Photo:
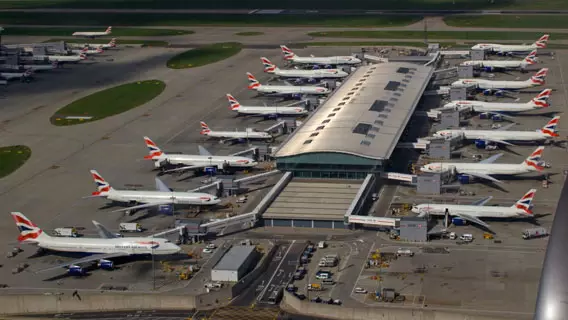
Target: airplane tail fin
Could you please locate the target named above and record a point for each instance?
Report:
(540, 77)
(288, 54)
(525, 203)
(112, 43)
(530, 58)
(233, 103)
(541, 100)
(550, 128)
(204, 128)
(85, 50)
(108, 30)
(253, 83)
(534, 160)
(542, 41)
(269, 67)
(103, 187)
(155, 152)
(28, 73)
(83, 56)
(29, 232)
(100, 50)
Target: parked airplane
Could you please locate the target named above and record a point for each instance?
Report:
(248, 134)
(296, 92)
(309, 75)
(477, 210)
(485, 168)
(268, 112)
(335, 60)
(99, 250)
(500, 87)
(32, 67)
(496, 108)
(62, 59)
(86, 50)
(136, 199)
(111, 44)
(502, 136)
(88, 34)
(501, 65)
(195, 162)
(509, 49)
(16, 75)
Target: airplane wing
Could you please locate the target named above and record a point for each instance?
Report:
(90, 258)
(144, 205)
(104, 232)
(491, 159)
(161, 186)
(186, 168)
(500, 142)
(507, 127)
(482, 202)
(473, 219)
(203, 151)
(482, 176)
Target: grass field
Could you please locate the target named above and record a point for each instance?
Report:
(204, 55)
(295, 4)
(109, 102)
(176, 19)
(13, 157)
(149, 43)
(249, 33)
(509, 21)
(116, 32)
(460, 35)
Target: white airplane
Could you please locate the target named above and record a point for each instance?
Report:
(500, 87)
(92, 35)
(164, 196)
(194, 162)
(32, 67)
(311, 75)
(111, 44)
(336, 60)
(296, 92)
(477, 210)
(485, 168)
(248, 134)
(502, 136)
(494, 65)
(268, 112)
(509, 49)
(99, 250)
(495, 108)
(86, 50)
(71, 59)
(16, 75)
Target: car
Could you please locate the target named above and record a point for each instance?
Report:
(337, 302)
(207, 250)
(360, 290)
(291, 288)
(316, 300)
(211, 246)
(300, 296)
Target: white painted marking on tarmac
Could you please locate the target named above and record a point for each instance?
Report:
(278, 268)
(362, 268)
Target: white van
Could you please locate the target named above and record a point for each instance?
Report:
(467, 237)
(404, 252)
(66, 232)
(321, 245)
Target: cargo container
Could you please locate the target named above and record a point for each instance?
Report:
(130, 227)
(66, 232)
(534, 233)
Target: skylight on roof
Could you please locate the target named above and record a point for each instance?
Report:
(402, 70)
(392, 85)
(308, 141)
(362, 128)
(378, 105)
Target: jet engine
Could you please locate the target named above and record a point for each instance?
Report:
(480, 143)
(488, 69)
(76, 271)
(487, 92)
(499, 93)
(106, 264)
(297, 96)
(312, 80)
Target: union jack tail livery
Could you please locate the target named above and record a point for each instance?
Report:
(112, 42)
(204, 128)
(534, 159)
(550, 128)
(541, 43)
(268, 66)
(28, 72)
(288, 54)
(541, 100)
(253, 83)
(525, 202)
(233, 103)
(83, 56)
(108, 30)
(154, 151)
(539, 77)
(103, 187)
(29, 232)
(85, 50)
(100, 50)
(531, 58)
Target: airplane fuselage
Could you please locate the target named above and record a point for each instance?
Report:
(337, 60)
(239, 134)
(265, 111)
(188, 198)
(526, 136)
(312, 74)
(131, 246)
(483, 168)
(481, 106)
(489, 84)
(214, 161)
(502, 48)
(90, 34)
(269, 89)
(476, 211)
(72, 58)
(12, 75)
(495, 64)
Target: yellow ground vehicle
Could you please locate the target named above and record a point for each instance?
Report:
(488, 236)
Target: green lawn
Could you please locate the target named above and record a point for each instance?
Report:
(296, 4)
(204, 55)
(13, 157)
(249, 33)
(116, 32)
(109, 102)
(177, 19)
(149, 43)
(461, 35)
(509, 21)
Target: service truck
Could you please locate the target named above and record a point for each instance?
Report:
(534, 233)
(130, 227)
(66, 232)
(314, 287)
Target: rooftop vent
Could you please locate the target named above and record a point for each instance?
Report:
(336, 109)
(325, 121)
(320, 127)
(402, 70)
(366, 143)
(331, 115)
(379, 122)
(362, 128)
(314, 134)
(308, 141)
(378, 105)
(392, 85)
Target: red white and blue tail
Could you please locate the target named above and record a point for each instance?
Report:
(112, 43)
(253, 83)
(108, 30)
(542, 41)
(100, 50)
(233, 103)
(83, 56)
(540, 77)
(531, 58)
(534, 159)
(525, 203)
(204, 128)
(29, 232)
(288, 54)
(550, 128)
(154, 151)
(269, 67)
(541, 100)
(103, 187)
